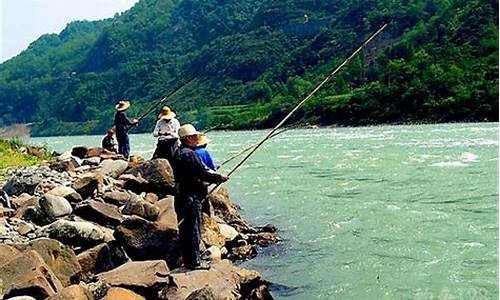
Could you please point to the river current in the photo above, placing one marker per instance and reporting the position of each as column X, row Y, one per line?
column 384, row 212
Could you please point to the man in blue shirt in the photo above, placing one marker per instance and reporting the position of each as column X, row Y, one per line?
column 203, row 154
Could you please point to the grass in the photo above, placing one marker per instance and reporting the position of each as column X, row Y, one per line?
column 14, row 153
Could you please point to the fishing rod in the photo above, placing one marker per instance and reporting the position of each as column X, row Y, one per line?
column 313, row 92
column 165, row 99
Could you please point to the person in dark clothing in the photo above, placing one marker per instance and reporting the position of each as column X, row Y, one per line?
column 190, row 174
column 108, row 142
column 122, row 124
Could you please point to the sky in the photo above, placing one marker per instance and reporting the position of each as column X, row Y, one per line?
column 23, row 21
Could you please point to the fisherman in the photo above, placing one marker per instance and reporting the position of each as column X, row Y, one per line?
column 190, row 173
column 166, row 130
column 108, row 142
column 122, row 123
column 203, row 154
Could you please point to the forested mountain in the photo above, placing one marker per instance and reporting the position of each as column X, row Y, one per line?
column 254, row 59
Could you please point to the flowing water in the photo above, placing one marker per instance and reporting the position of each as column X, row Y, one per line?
column 386, row 212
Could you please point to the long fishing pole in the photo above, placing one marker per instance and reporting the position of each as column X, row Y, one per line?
column 165, row 99
column 313, row 92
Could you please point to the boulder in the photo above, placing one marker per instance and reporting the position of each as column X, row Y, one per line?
column 213, row 253
column 138, row 207
column 60, row 258
column 210, row 232
column 242, row 252
column 158, row 173
column 21, row 199
column 97, row 152
column 27, row 183
column 22, row 298
column 224, row 280
column 30, row 210
column 167, row 218
column 87, row 185
column 27, row 274
column 223, row 207
column 143, row 240
column 99, row 212
column 92, row 161
column 113, row 168
column 101, row 258
column 151, row 198
column 7, row 252
column 80, row 151
column 228, row 232
column 23, row 228
column 74, row 233
column 62, row 165
column 116, row 198
column 55, row 206
column 135, row 184
column 265, row 239
column 73, row 292
column 117, row 293
column 66, row 192
column 153, row 274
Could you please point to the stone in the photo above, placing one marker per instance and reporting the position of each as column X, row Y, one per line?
column 265, row 239
column 101, row 258
column 62, row 165
column 213, row 253
column 138, row 207
column 223, row 207
column 21, row 199
column 113, row 168
column 152, row 274
column 80, row 151
column 97, row 152
column 74, row 233
column 73, row 292
column 66, row 192
column 99, row 212
column 22, row 298
column 116, row 198
column 228, row 232
column 27, row 274
column 151, row 198
column 225, row 281
column 117, row 293
column 145, row 240
column 92, row 161
column 167, row 218
column 87, row 185
column 60, row 258
column 7, row 252
column 210, row 232
column 242, row 252
column 31, row 211
column 23, row 228
column 17, row 185
column 55, row 206
column 159, row 175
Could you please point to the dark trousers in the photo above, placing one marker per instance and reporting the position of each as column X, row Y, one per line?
column 166, row 149
column 188, row 209
column 123, row 145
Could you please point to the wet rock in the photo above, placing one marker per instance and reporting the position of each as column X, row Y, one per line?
column 89, row 184
column 55, row 206
column 242, row 252
column 73, row 292
column 113, row 168
column 225, row 280
column 117, row 293
column 27, row 274
column 24, row 183
column 138, row 207
column 74, row 233
column 265, row 239
column 116, row 198
column 60, row 258
column 158, row 173
column 210, row 232
column 167, row 218
column 143, row 240
column 101, row 258
column 153, row 274
column 228, row 232
column 98, row 212
column 66, row 192
column 268, row 228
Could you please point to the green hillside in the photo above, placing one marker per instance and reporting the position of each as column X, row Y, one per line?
column 253, row 60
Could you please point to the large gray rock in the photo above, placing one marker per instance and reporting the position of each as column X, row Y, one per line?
column 144, row 240
column 74, row 233
column 113, row 168
column 55, row 206
column 25, row 183
column 159, row 175
column 99, row 212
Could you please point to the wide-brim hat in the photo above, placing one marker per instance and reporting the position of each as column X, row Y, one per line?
column 122, row 105
column 203, row 140
column 166, row 114
column 187, row 130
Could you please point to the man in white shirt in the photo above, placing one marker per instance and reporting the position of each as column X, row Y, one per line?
column 166, row 130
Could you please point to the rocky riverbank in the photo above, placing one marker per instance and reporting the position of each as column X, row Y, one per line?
column 90, row 225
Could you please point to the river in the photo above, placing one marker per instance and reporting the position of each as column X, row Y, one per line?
column 383, row 212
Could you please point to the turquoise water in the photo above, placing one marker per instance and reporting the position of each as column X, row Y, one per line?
column 389, row 212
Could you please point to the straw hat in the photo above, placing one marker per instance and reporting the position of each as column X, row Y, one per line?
column 166, row 114
column 122, row 105
column 203, row 140
column 187, row 130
